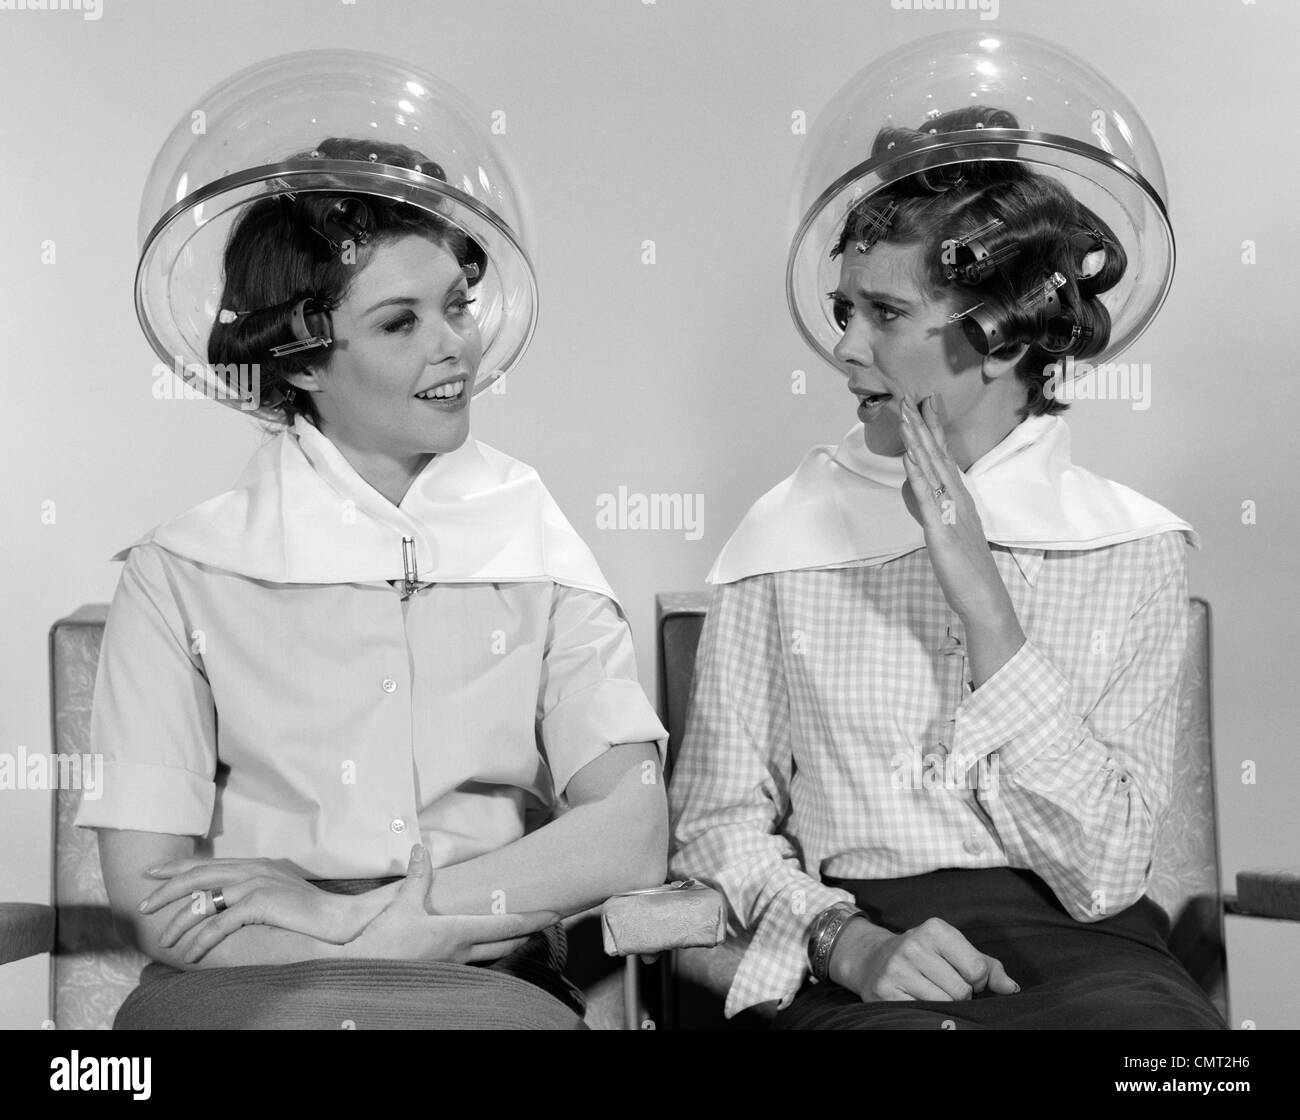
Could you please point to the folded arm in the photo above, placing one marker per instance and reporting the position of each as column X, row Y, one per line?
column 613, row 837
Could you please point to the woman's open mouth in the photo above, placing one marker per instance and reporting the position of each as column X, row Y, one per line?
column 448, row 396
column 871, row 405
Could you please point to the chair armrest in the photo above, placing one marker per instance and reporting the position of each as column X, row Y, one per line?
column 676, row 916
column 1268, row 893
column 26, row 929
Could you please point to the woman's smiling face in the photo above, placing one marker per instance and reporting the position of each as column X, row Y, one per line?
column 898, row 340
column 403, row 330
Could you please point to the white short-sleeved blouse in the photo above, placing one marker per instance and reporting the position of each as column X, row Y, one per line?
column 334, row 724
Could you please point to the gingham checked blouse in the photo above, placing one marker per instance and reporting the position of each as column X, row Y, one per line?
column 832, row 731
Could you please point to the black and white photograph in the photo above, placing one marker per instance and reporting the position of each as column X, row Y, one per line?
column 676, row 515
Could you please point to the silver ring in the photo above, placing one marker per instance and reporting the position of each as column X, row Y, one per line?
column 938, row 492
column 219, row 902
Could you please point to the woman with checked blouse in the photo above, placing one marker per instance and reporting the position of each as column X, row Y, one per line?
column 930, row 737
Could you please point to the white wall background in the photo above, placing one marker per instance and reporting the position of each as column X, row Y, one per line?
column 635, row 120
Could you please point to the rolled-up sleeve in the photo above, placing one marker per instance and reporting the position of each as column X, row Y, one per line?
column 590, row 698
column 153, row 722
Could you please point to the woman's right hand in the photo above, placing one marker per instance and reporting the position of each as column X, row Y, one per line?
column 405, row 930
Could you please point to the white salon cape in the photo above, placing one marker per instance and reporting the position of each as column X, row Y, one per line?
column 263, row 685
column 844, row 506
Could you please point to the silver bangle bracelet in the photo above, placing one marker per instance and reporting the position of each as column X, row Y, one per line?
column 826, row 931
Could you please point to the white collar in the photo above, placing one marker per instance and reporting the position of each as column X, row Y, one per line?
column 844, row 506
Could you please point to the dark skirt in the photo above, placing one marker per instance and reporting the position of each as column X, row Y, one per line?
column 1114, row 974
column 524, row 990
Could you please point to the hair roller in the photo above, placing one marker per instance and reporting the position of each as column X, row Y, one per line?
column 1098, row 258
column 247, row 336
column 1094, row 329
column 940, row 180
column 339, row 221
column 986, row 327
column 278, row 331
column 998, row 323
column 310, row 327
column 1066, row 333
column 977, row 255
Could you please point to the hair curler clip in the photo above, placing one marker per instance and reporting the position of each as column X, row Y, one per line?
column 970, row 259
column 958, row 316
column 1043, row 297
column 310, row 324
column 872, row 224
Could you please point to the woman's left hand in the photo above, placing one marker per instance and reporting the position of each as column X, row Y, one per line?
column 255, row 892
column 936, row 495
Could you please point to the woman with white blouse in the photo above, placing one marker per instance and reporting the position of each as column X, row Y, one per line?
column 370, row 720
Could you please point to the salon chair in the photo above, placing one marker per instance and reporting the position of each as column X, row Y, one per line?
column 94, row 968
column 1185, row 877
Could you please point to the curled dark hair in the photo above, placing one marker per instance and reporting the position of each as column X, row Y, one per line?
column 1044, row 230
column 276, row 256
